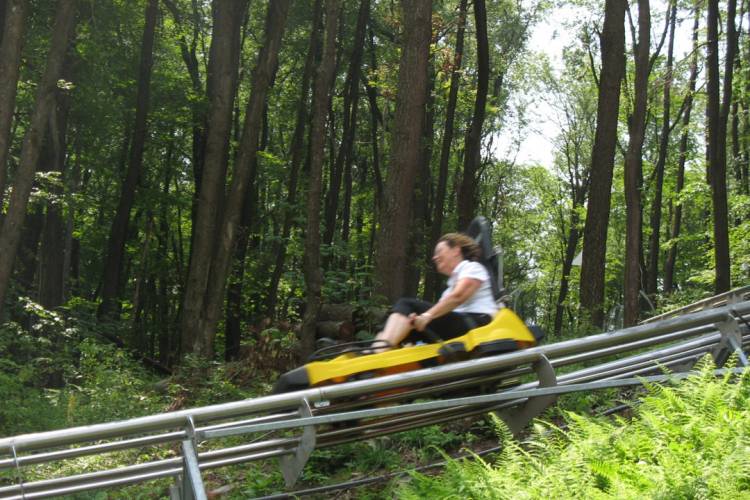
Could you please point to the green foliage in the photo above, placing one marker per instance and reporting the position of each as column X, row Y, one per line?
column 109, row 385
column 54, row 372
column 685, row 441
column 24, row 409
column 200, row 382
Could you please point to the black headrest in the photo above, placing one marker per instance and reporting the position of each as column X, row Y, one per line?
column 480, row 231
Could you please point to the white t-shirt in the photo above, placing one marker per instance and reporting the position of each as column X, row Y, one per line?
column 482, row 302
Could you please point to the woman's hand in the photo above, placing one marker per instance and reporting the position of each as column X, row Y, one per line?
column 419, row 323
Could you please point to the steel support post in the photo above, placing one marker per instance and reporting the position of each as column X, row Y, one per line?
column 293, row 465
column 731, row 342
column 518, row 417
column 189, row 484
column 18, row 471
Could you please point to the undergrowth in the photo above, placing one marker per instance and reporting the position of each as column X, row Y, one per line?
column 688, row 440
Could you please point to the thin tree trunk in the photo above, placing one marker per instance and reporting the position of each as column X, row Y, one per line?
column 716, row 117
column 164, row 324
column 244, row 174
column 222, row 77
column 10, row 59
column 112, row 274
column 376, row 117
column 234, row 316
column 321, row 96
column 52, row 259
column 393, row 237
column 43, row 106
column 736, row 156
column 422, row 192
column 745, row 105
column 351, row 98
column 602, row 162
column 578, row 179
column 432, row 278
column 746, row 120
column 198, row 110
column 297, row 153
column 570, row 251
column 653, row 246
column 634, row 168
column 674, row 233
column 73, row 183
column 141, row 284
column 472, row 151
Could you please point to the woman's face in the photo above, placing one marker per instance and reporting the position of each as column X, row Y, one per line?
column 446, row 258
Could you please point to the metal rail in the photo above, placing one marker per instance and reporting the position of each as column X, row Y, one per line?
column 730, row 297
column 674, row 342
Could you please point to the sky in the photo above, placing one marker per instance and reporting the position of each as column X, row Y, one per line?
column 550, row 37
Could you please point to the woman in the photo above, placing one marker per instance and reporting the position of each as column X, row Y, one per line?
column 467, row 302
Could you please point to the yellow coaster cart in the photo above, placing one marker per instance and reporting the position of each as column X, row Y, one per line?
column 354, row 361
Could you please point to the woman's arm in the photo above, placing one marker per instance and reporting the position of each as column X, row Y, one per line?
column 464, row 289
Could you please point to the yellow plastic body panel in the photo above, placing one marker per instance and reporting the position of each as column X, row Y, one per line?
column 505, row 326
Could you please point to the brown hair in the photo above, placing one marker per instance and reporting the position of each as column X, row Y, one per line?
column 469, row 248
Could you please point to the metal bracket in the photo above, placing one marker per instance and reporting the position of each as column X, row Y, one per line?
column 517, row 418
column 190, row 484
column 731, row 342
column 293, row 465
column 18, row 471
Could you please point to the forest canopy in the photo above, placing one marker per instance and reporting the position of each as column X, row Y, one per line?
column 190, row 175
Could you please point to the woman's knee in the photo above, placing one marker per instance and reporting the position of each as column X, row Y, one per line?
column 404, row 305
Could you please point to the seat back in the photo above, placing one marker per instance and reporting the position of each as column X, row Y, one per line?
column 480, row 231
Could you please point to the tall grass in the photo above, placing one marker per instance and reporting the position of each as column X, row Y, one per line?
column 690, row 440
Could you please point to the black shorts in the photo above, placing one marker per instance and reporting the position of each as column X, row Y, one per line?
column 446, row 327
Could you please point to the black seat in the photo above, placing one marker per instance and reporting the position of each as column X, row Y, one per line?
column 480, row 231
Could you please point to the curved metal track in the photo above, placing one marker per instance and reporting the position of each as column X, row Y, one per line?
column 516, row 385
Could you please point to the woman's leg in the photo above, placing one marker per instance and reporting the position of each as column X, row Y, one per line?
column 398, row 325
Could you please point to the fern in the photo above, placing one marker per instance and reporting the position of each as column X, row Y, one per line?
column 690, row 440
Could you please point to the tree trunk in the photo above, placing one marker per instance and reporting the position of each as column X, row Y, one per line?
column 602, row 162
column 297, row 152
column 10, row 59
column 112, row 274
column 244, row 174
column 222, row 77
column 52, row 258
column 674, row 232
column 234, row 316
column 634, row 168
column 420, row 223
column 666, row 128
column 432, row 278
column 472, row 150
column 393, row 237
column 716, row 118
column 164, row 323
column 346, row 209
column 351, row 98
column 578, row 179
column 140, row 289
column 198, row 110
column 43, row 106
column 376, row 117
column 746, row 121
column 73, row 186
column 321, row 95
column 570, row 252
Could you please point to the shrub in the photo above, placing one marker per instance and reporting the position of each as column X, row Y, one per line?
column 685, row 441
